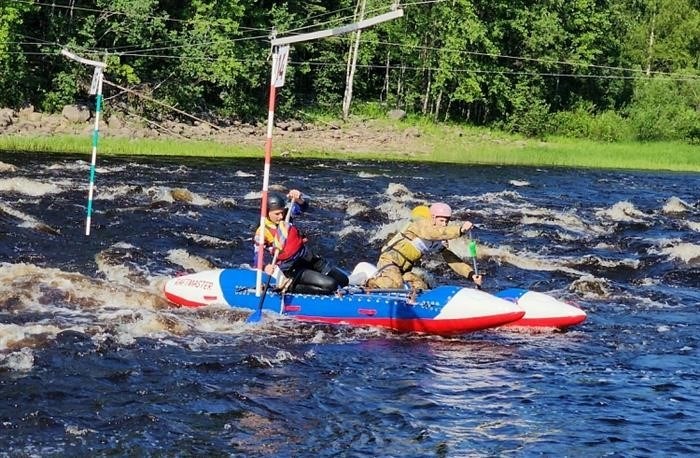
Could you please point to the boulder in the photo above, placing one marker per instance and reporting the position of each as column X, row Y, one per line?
column 181, row 195
column 396, row 114
column 26, row 110
column 7, row 167
column 114, row 122
column 6, row 116
column 76, row 113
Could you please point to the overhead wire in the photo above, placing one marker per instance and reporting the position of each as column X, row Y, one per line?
column 241, row 29
column 674, row 77
column 640, row 75
column 96, row 10
column 191, row 45
column 150, row 99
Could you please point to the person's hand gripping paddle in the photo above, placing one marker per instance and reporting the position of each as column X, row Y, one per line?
column 472, row 254
column 256, row 316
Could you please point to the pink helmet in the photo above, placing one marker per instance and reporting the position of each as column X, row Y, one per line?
column 441, row 209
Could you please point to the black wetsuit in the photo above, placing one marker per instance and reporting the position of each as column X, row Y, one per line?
column 311, row 274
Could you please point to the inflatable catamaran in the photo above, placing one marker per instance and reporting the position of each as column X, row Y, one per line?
column 445, row 310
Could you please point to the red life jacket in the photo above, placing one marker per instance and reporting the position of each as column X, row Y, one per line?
column 293, row 243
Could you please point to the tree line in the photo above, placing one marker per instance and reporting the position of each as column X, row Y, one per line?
column 601, row 69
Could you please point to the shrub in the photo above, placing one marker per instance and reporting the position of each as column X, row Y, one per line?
column 661, row 111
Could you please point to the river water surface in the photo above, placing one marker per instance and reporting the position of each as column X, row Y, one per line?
column 93, row 361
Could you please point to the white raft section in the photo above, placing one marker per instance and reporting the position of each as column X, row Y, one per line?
column 544, row 309
column 473, row 303
column 201, row 288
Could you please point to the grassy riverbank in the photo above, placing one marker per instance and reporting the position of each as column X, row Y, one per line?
column 403, row 142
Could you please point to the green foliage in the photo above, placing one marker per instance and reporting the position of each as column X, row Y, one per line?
column 530, row 114
column 372, row 110
column 666, row 109
column 65, row 91
column 583, row 122
column 531, row 67
column 13, row 71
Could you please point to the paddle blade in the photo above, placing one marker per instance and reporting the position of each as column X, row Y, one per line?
column 472, row 249
column 255, row 317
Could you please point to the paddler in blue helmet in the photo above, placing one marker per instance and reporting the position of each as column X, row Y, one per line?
column 428, row 232
column 309, row 273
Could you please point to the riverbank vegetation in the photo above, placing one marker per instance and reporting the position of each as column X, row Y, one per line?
column 615, row 75
column 410, row 142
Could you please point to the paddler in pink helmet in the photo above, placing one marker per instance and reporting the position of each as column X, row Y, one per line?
column 426, row 234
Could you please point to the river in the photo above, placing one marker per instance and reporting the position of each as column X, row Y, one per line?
column 93, row 361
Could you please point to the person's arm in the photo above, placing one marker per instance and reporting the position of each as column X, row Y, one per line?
column 424, row 229
column 300, row 202
column 461, row 267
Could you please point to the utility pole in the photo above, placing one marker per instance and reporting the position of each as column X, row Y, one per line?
column 95, row 89
column 280, row 54
column 352, row 62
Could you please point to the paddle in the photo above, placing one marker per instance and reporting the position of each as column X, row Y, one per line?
column 472, row 254
column 256, row 316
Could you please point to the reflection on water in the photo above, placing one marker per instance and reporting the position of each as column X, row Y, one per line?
column 93, row 360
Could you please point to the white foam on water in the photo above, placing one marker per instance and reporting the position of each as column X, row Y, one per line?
column 188, row 261
column 79, row 165
column 27, row 221
column 349, row 230
column 689, row 253
column 591, row 287
column 568, row 220
column 623, row 211
column 207, row 240
column 252, row 195
column 523, row 259
column 505, row 197
column 383, row 232
column 18, row 361
column 228, row 202
column 5, row 168
column 112, row 192
column 519, row 183
column 355, row 207
column 28, row 186
column 399, row 192
column 13, row 336
column 675, row 205
column 170, row 195
column 76, row 302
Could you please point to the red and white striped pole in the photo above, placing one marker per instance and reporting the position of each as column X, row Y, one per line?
column 276, row 80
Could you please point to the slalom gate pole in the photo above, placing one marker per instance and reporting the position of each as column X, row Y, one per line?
column 96, row 89
column 93, row 161
column 266, row 173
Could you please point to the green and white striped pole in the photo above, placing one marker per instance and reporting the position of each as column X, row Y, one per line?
column 96, row 81
column 95, row 89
